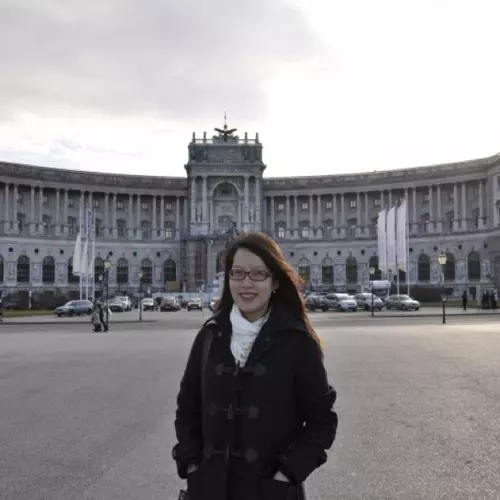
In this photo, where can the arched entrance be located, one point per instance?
(225, 207)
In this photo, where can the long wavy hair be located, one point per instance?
(289, 282)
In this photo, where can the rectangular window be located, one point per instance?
(95, 203)
(377, 203)
(281, 207)
(71, 202)
(168, 207)
(329, 205)
(120, 205)
(145, 206)
(305, 205)
(281, 232)
(352, 204)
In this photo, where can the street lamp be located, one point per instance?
(140, 295)
(107, 266)
(442, 261)
(372, 272)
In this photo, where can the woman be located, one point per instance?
(265, 416)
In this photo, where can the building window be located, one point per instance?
(122, 272)
(23, 269)
(120, 205)
(352, 204)
(377, 203)
(281, 207)
(304, 269)
(145, 206)
(327, 271)
(95, 203)
(451, 196)
(304, 232)
(19, 198)
(281, 232)
(168, 207)
(48, 270)
(329, 205)
(426, 198)
(71, 202)
(147, 272)
(169, 271)
(305, 205)
(45, 200)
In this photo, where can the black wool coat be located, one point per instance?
(274, 414)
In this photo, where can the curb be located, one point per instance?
(51, 323)
(429, 315)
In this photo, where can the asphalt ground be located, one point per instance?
(89, 416)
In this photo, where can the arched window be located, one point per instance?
(121, 229)
(351, 271)
(23, 269)
(98, 269)
(71, 277)
(169, 271)
(377, 275)
(1, 269)
(145, 230)
(304, 269)
(424, 268)
(147, 271)
(473, 267)
(48, 269)
(449, 267)
(122, 272)
(327, 271)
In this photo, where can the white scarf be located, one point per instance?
(243, 334)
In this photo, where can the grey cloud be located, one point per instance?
(176, 60)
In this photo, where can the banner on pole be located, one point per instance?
(391, 240)
(382, 240)
(401, 239)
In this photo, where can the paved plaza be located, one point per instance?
(89, 416)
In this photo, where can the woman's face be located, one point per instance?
(251, 284)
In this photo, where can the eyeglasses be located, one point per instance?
(254, 275)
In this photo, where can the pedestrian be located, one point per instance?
(255, 410)
(464, 300)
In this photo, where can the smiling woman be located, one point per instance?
(255, 409)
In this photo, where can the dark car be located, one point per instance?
(314, 302)
(74, 308)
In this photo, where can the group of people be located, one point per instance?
(98, 318)
(489, 299)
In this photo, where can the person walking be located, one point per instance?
(464, 300)
(255, 411)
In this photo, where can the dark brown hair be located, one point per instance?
(289, 282)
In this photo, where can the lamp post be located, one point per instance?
(140, 295)
(107, 266)
(372, 272)
(442, 261)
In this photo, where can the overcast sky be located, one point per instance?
(332, 86)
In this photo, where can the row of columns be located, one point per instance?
(11, 209)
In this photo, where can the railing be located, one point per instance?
(220, 141)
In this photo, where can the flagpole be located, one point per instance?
(93, 256)
(80, 281)
(407, 224)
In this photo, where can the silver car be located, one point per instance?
(367, 300)
(402, 302)
(341, 302)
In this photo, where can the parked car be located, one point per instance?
(402, 302)
(194, 304)
(341, 302)
(170, 304)
(314, 302)
(116, 305)
(127, 303)
(74, 308)
(367, 300)
(148, 304)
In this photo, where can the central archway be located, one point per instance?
(225, 206)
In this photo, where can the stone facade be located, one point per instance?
(173, 229)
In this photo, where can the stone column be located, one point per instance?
(439, 210)
(481, 205)
(193, 200)
(287, 216)
(130, 216)
(204, 217)
(430, 224)
(296, 216)
(311, 216)
(154, 230)
(367, 223)
(334, 214)
(162, 217)
(257, 203)
(415, 214)
(319, 216)
(358, 215)
(186, 220)
(342, 216)
(32, 212)
(40, 210)
(456, 222)
(15, 222)
(246, 205)
(272, 229)
(7, 224)
(58, 211)
(66, 204)
(115, 223)
(178, 217)
(464, 206)
(390, 199)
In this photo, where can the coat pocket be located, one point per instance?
(273, 489)
(195, 485)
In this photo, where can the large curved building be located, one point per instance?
(174, 228)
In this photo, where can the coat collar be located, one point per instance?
(280, 320)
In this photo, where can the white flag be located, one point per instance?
(84, 260)
(401, 236)
(382, 241)
(77, 256)
(391, 240)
